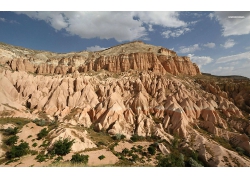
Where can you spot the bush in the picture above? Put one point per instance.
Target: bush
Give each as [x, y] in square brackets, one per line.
[41, 157]
[11, 131]
[151, 150]
[62, 147]
[172, 160]
[119, 137]
[39, 122]
[125, 151]
[101, 157]
[18, 151]
[29, 136]
[193, 163]
[78, 158]
[136, 137]
[43, 133]
[12, 140]
[34, 144]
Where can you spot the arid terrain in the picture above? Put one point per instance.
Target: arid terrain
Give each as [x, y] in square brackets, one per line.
[133, 104]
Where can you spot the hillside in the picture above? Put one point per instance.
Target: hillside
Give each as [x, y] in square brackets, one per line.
[133, 104]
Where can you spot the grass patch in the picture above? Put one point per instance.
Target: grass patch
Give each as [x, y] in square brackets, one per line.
[19, 122]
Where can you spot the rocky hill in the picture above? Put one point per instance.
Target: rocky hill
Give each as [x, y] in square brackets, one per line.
[136, 104]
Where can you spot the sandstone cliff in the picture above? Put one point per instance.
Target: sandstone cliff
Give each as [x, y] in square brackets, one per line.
[135, 55]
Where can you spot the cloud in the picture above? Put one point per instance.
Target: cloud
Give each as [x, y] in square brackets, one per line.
[161, 18]
[122, 26]
[211, 15]
[200, 60]
[223, 70]
[228, 44]
[189, 49]
[236, 57]
[234, 23]
[2, 19]
[209, 45]
[176, 33]
[95, 48]
[150, 27]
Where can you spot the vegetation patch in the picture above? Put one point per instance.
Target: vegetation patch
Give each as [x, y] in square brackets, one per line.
[18, 151]
[79, 158]
[62, 147]
[101, 157]
[11, 140]
[43, 133]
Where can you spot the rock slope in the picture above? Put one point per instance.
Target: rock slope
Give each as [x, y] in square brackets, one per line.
[132, 92]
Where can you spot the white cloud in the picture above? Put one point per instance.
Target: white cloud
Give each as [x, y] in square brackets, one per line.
[200, 60]
[95, 48]
[2, 19]
[234, 23]
[150, 27]
[235, 57]
[227, 70]
[228, 44]
[209, 45]
[122, 26]
[176, 33]
[162, 18]
[189, 49]
[247, 48]
[211, 15]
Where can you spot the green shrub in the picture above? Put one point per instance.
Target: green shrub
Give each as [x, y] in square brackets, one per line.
[119, 137]
[125, 151]
[172, 160]
[43, 133]
[41, 157]
[29, 136]
[101, 157]
[11, 131]
[193, 163]
[151, 150]
[18, 151]
[12, 140]
[136, 137]
[135, 157]
[62, 147]
[34, 144]
[79, 158]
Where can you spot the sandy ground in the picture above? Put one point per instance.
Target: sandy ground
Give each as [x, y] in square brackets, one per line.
[110, 158]
[27, 161]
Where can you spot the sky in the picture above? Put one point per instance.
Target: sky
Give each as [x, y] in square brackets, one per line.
[217, 41]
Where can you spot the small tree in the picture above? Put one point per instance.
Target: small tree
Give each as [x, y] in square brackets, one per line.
[80, 158]
[62, 147]
[151, 150]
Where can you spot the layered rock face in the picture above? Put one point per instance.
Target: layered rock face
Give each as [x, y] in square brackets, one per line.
[135, 56]
[142, 99]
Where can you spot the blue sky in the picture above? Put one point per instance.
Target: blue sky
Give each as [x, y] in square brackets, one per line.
[219, 42]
